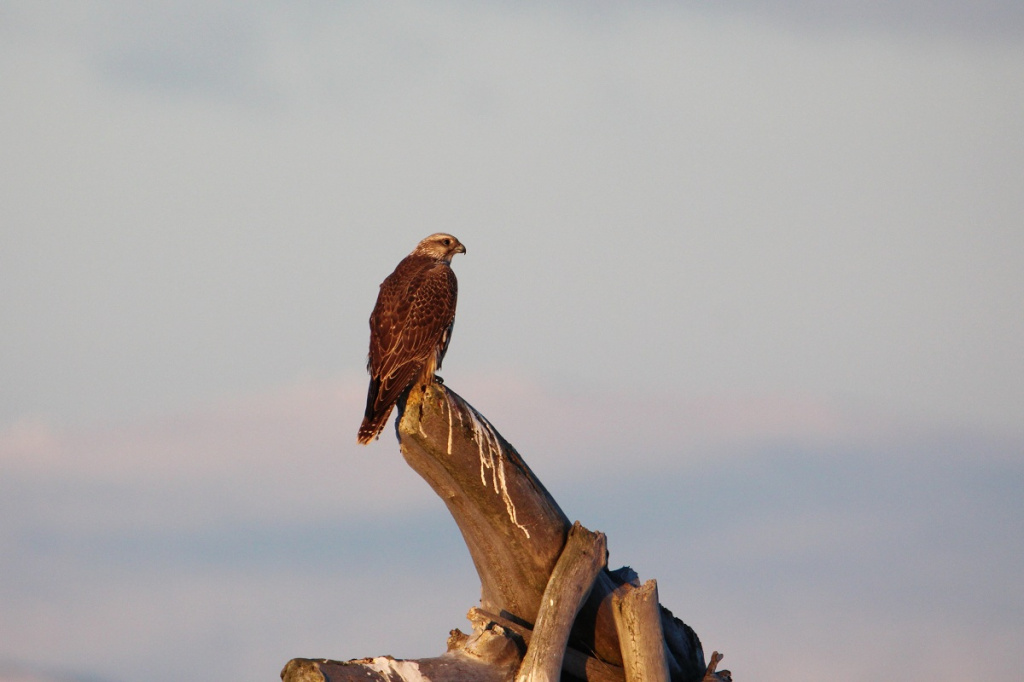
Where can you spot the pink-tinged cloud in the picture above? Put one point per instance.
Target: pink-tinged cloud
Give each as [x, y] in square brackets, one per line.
[280, 454]
[565, 428]
[306, 429]
[291, 453]
[304, 432]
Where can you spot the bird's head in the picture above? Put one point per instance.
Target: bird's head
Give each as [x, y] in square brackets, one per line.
[439, 246]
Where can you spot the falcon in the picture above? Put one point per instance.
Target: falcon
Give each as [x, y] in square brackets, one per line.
[410, 327]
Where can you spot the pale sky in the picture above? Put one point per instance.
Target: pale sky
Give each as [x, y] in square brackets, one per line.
[766, 249]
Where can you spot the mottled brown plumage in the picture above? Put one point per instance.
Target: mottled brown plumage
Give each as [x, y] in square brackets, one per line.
[410, 327]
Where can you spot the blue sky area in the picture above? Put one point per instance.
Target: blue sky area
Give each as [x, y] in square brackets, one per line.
[767, 257]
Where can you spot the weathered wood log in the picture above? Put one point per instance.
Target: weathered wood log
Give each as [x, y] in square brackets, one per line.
[387, 669]
[584, 555]
[515, 533]
[513, 528]
[491, 654]
[638, 618]
[574, 662]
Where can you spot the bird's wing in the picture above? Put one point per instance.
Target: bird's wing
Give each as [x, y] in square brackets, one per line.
[415, 309]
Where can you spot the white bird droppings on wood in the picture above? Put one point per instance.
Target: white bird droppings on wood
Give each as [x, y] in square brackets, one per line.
[494, 459]
[408, 671]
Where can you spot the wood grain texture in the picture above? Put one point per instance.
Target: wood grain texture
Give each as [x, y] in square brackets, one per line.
[638, 618]
[582, 558]
[574, 662]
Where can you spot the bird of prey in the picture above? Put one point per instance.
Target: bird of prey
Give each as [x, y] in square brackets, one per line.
[410, 327]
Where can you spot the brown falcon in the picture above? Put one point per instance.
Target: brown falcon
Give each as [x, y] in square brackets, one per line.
[410, 327]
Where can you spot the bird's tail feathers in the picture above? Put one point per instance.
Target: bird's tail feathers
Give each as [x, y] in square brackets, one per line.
[372, 426]
[375, 416]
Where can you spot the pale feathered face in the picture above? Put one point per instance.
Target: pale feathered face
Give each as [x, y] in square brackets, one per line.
[439, 246]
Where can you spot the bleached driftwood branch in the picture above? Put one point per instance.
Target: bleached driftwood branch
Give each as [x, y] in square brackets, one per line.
[516, 535]
[584, 555]
[638, 618]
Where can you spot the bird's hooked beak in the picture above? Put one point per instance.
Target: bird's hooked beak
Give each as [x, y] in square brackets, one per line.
[459, 249]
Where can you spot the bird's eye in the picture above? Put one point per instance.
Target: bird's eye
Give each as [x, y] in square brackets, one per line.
[447, 242]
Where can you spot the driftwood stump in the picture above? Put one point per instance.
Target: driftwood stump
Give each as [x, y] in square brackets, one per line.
[548, 603]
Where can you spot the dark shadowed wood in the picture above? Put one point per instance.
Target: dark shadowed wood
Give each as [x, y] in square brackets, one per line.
[638, 618]
[582, 558]
[687, 659]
